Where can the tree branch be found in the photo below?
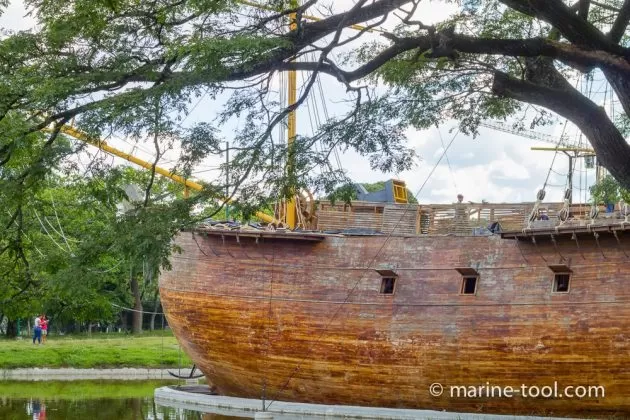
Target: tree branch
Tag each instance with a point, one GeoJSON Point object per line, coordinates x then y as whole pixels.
{"type": "Point", "coordinates": [610, 146]}
{"type": "Point", "coordinates": [621, 23]}
{"type": "Point", "coordinates": [574, 28]}
{"type": "Point", "coordinates": [583, 7]}
{"type": "Point", "coordinates": [605, 6]}
{"type": "Point", "coordinates": [533, 47]}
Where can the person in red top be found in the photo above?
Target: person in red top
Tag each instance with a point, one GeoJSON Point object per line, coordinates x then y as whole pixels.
{"type": "Point", "coordinates": [44, 326]}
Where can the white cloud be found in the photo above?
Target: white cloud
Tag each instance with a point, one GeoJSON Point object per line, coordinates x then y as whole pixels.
{"type": "Point", "coordinates": [15, 17]}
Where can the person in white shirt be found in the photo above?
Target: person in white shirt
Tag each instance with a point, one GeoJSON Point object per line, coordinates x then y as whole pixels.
{"type": "Point", "coordinates": [37, 330]}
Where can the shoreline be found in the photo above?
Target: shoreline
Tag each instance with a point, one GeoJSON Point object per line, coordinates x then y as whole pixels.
{"type": "Point", "coordinates": [198, 398]}
{"type": "Point", "coordinates": [77, 374]}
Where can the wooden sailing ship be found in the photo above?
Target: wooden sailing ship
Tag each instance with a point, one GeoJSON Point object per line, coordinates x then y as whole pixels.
{"type": "Point", "coordinates": [397, 297]}
{"type": "Point", "coordinates": [385, 303]}
{"type": "Point", "coordinates": [390, 304]}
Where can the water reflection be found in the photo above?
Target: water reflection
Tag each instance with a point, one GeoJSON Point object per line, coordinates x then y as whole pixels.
{"type": "Point", "coordinates": [36, 408]}
{"type": "Point", "coordinates": [78, 400]}
{"type": "Point", "coordinates": [118, 409]}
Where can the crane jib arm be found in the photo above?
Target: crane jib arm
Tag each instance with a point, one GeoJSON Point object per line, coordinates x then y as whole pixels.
{"type": "Point", "coordinates": [102, 145]}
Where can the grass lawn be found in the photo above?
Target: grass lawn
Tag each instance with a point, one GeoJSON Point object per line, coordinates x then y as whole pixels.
{"type": "Point", "coordinates": [98, 351]}
{"type": "Point", "coordinates": [80, 390]}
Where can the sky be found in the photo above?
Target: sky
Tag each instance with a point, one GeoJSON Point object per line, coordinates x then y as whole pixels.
{"type": "Point", "coordinates": [495, 166]}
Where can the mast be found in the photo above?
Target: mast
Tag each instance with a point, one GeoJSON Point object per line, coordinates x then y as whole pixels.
{"type": "Point", "coordinates": [227, 179]}
{"type": "Point", "coordinates": [290, 211]}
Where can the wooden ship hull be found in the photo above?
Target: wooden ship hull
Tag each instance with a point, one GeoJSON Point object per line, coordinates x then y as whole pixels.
{"type": "Point", "coordinates": [303, 317]}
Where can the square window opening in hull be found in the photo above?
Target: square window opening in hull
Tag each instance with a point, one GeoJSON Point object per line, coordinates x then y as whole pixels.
{"type": "Point", "coordinates": [388, 284]}
{"type": "Point", "coordinates": [561, 283]}
{"type": "Point", "coordinates": [469, 285]}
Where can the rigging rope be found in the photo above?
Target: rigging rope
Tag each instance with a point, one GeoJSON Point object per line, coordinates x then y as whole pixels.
{"type": "Point", "coordinates": [136, 310]}
{"type": "Point", "coordinates": [327, 117]}
{"type": "Point", "coordinates": [556, 153]}
{"type": "Point", "coordinates": [48, 233]}
{"type": "Point", "coordinates": [314, 102]}
{"type": "Point", "coordinates": [448, 162]}
{"type": "Point", "coordinates": [540, 195]}
{"type": "Point", "coordinates": [52, 199]}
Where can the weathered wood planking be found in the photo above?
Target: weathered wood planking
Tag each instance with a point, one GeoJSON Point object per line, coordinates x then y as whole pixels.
{"type": "Point", "coordinates": [400, 219]}
{"type": "Point", "coordinates": [434, 219]}
{"type": "Point", "coordinates": [335, 220]}
{"type": "Point", "coordinates": [306, 319]}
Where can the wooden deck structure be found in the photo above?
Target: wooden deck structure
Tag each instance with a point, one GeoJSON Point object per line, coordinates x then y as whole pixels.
{"type": "Point", "coordinates": [444, 219]}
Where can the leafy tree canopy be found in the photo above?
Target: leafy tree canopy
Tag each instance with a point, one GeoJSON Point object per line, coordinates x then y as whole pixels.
{"type": "Point", "coordinates": [67, 248]}
{"type": "Point", "coordinates": [134, 68]}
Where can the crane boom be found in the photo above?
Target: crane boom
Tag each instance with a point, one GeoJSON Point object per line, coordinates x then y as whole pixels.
{"type": "Point", "coordinates": [102, 145]}
{"type": "Point", "coordinates": [530, 134]}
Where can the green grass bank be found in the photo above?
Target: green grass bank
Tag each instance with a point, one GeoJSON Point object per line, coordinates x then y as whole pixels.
{"type": "Point", "coordinates": [80, 390]}
{"type": "Point", "coordinates": [97, 351]}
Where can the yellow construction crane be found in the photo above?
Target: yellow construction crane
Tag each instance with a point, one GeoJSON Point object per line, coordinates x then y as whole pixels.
{"type": "Point", "coordinates": [101, 144]}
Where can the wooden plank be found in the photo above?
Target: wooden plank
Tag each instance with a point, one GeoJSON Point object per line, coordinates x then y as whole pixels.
{"type": "Point", "coordinates": [253, 314]}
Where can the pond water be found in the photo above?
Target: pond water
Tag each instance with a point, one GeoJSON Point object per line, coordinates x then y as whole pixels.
{"type": "Point", "coordinates": [89, 400]}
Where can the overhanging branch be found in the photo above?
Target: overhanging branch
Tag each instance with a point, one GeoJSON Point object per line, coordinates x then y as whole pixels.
{"type": "Point", "coordinates": [610, 146]}
{"type": "Point", "coordinates": [621, 23]}
{"type": "Point", "coordinates": [453, 44]}
{"type": "Point", "coordinates": [583, 7]}
{"type": "Point", "coordinates": [574, 28]}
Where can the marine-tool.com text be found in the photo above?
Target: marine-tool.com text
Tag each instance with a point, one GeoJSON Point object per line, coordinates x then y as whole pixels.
{"type": "Point", "coordinates": [489, 390]}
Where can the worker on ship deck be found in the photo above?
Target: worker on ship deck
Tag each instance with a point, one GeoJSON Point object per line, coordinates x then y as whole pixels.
{"type": "Point", "coordinates": [461, 215]}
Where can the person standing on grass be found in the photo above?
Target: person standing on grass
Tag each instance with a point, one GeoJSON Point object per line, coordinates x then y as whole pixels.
{"type": "Point", "coordinates": [37, 330]}
{"type": "Point", "coordinates": [44, 325]}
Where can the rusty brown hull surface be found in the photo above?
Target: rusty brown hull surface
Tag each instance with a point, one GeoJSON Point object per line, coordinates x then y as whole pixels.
{"type": "Point", "coordinates": [306, 322]}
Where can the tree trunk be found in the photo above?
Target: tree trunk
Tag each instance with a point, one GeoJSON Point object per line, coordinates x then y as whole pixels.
{"type": "Point", "coordinates": [123, 321]}
{"type": "Point", "coordinates": [136, 316]}
{"type": "Point", "coordinates": [156, 306]}
{"type": "Point", "coordinates": [11, 328]}
{"type": "Point", "coordinates": [152, 324]}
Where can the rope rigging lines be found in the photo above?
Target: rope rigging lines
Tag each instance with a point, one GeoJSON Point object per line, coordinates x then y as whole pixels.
{"type": "Point", "coordinates": [450, 169]}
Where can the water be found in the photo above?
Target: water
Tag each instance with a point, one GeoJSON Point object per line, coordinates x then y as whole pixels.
{"type": "Point", "coordinates": [90, 400]}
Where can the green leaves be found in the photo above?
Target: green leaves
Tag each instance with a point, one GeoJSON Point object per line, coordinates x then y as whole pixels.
{"type": "Point", "coordinates": [608, 191]}
{"type": "Point", "coordinates": [134, 69]}
{"type": "Point", "coordinates": [373, 130]}
{"type": "Point", "coordinates": [200, 141]}
{"type": "Point", "coordinates": [217, 58]}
